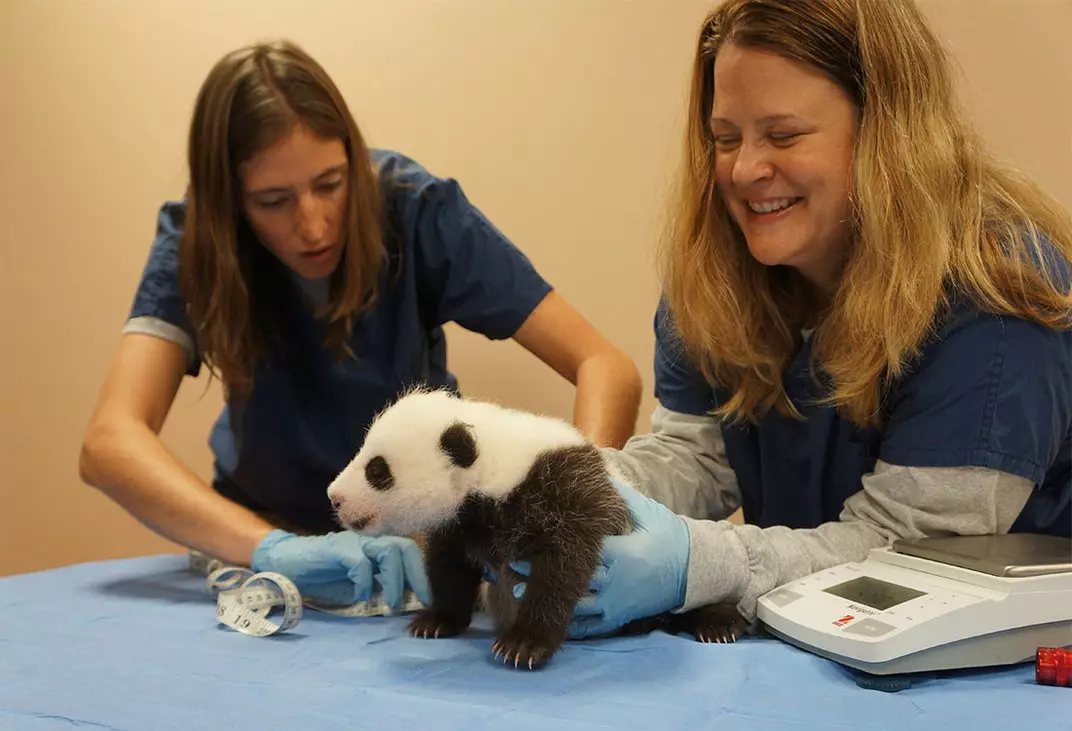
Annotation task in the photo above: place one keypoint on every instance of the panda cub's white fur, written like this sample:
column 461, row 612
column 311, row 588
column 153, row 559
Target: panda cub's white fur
column 426, row 486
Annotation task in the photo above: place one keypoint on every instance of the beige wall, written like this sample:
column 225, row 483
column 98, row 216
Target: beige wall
column 560, row 119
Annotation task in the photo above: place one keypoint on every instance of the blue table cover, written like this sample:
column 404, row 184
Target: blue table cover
column 134, row 645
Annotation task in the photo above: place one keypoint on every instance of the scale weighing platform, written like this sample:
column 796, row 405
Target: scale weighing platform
column 932, row 604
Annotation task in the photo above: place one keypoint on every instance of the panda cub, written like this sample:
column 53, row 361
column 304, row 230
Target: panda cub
column 488, row 486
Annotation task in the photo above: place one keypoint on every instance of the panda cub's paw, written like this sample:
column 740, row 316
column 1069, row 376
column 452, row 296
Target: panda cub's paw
column 430, row 624
column 524, row 650
column 713, row 623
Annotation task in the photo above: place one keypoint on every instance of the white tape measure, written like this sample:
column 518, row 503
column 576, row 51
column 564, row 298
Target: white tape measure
column 245, row 599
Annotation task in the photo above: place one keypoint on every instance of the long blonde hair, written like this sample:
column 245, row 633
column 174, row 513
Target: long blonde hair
column 934, row 216
column 251, row 98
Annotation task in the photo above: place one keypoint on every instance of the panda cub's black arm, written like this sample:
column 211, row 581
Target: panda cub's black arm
column 543, row 615
column 454, row 580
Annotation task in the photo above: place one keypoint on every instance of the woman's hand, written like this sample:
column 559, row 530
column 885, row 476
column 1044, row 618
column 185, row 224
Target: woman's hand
column 641, row 574
column 339, row 568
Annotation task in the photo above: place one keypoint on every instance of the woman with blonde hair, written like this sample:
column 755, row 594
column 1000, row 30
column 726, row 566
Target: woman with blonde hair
column 313, row 276
column 865, row 333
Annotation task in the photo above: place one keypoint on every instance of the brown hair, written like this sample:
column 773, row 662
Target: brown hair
column 251, row 98
column 933, row 215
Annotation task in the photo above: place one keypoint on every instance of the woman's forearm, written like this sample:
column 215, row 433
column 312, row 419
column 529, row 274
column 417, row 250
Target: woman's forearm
column 741, row 563
column 681, row 463
column 133, row 467
column 608, row 399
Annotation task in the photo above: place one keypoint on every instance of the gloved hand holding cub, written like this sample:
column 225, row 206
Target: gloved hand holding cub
column 641, row 574
column 344, row 568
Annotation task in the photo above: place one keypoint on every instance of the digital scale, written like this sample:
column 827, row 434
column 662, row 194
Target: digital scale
column 932, row 604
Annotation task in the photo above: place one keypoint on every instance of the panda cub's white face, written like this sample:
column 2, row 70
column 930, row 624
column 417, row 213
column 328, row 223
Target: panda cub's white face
column 413, row 470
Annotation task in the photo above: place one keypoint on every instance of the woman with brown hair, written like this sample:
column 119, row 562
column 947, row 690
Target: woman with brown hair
column 865, row 332
column 313, row 277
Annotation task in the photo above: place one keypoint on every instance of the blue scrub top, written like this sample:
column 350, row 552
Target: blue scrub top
column 986, row 391
column 277, row 449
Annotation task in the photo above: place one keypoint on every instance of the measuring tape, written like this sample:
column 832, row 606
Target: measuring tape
column 244, row 599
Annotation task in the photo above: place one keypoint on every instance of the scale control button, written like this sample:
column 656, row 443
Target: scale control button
column 781, row 597
column 869, row 628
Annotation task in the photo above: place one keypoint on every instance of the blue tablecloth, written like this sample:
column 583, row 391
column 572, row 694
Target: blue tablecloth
column 134, row 645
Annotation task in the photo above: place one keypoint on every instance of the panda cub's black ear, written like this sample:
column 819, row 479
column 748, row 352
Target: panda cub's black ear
column 458, row 442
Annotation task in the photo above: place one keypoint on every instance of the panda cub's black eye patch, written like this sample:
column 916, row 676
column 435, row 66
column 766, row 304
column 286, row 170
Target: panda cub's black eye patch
column 378, row 474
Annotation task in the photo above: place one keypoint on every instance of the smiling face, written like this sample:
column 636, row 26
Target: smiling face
column 784, row 136
column 294, row 195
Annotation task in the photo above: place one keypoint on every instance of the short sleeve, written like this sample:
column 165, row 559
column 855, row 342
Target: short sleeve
column 989, row 391
column 679, row 385
column 467, row 270
column 158, row 306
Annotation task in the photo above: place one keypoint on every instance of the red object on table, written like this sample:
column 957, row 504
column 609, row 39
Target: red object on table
column 1053, row 666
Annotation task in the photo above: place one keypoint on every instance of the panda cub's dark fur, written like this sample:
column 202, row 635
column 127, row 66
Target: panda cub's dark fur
column 489, row 486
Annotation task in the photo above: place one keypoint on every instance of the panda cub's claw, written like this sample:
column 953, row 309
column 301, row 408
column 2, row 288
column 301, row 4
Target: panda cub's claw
column 429, row 624
column 523, row 651
column 720, row 623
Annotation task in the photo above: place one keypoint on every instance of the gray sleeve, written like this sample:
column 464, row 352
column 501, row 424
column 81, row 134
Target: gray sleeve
column 681, row 463
column 739, row 563
column 149, row 325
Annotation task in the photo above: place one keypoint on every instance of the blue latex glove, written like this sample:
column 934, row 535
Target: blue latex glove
column 344, row 568
column 640, row 574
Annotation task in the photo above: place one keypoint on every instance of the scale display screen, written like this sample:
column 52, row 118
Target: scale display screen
column 874, row 593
